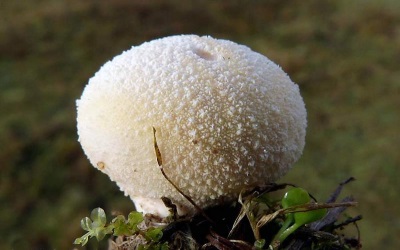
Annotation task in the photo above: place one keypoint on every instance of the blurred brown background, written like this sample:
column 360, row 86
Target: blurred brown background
column 345, row 55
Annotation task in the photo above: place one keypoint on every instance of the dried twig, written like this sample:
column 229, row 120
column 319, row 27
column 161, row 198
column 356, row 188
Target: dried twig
column 331, row 217
column 302, row 208
column 159, row 161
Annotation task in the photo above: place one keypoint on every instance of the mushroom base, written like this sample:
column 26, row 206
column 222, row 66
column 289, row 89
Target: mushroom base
column 157, row 207
column 223, row 229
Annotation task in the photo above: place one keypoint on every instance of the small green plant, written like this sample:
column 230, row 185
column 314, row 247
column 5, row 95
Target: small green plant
column 295, row 197
column 96, row 226
column 265, row 215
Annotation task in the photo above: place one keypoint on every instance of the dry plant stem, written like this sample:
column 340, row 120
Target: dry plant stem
column 222, row 243
column 248, row 208
column 187, row 197
column 302, row 208
column 245, row 211
column 157, row 149
column 159, row 162
column 348, row 221
column 338, row 190
column 254, row 193
column 331, row 216
column 358, row 235
column 259, row 191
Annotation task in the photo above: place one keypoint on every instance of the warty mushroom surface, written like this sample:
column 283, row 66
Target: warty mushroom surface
column 227, row 118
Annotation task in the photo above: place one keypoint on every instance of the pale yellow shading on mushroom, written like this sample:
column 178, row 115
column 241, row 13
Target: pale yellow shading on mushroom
column 227, row 118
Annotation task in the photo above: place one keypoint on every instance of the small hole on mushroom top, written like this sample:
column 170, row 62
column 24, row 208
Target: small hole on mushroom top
column 204, row 54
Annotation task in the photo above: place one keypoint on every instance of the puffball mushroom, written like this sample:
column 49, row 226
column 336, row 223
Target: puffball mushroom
column 227, row 119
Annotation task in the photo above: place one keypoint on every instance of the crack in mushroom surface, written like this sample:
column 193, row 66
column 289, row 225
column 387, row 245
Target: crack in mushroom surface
column 227, row 118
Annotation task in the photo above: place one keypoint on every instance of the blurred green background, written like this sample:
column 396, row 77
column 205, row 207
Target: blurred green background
column 345, row 55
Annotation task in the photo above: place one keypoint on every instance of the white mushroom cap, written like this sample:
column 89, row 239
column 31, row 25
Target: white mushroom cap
column 227, row 118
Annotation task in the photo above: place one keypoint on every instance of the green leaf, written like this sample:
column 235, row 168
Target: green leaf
column 119, row 219
column 158, row 246
column 99, row 233
column 309, row 216
column 135, row 218
column 154, row 234
column 120, row 226
column 82, row 240
column 164, row 246
column 99, row 217
column 109, row 229
column 79, row 240
column 86, row 224
column 294, row 197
